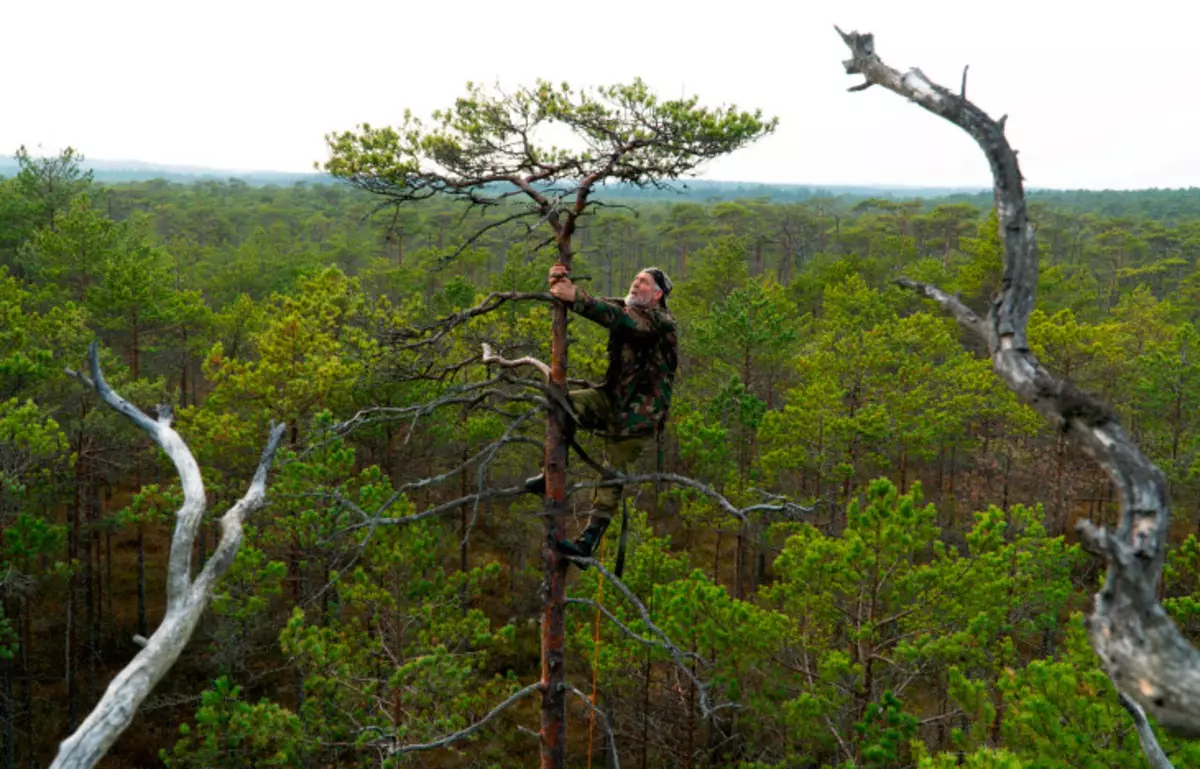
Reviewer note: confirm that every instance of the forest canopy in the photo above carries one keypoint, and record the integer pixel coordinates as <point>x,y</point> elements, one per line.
<point>902,585</point>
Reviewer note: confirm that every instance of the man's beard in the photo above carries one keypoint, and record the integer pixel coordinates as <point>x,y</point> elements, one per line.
<point>635,300</point>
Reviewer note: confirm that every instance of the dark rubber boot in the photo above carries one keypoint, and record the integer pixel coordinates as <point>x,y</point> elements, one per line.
<point>536,485</point>
<point>586,543</point>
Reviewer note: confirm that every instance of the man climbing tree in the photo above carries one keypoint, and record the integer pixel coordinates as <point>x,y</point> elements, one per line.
<point>631,407</point>
<point>488,152</point>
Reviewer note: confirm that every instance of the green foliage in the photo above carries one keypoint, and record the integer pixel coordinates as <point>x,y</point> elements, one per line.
<point>631,134</point>
<point>918,615</point>
<point>230,732</point>
<point>883,731</point>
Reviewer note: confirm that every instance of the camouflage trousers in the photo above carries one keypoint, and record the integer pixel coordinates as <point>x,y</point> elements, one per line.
<point>595,412</point>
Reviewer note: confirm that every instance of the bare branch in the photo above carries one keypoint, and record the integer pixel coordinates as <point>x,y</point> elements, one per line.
<point>480,232</point>
<point>1154,752</point>
<point>489,455</point>
<point>682,480</point>
<point>442,326</point>
<point>629,631</point>
<point>1020,269</point>
<point>469,395</point>
<point>464,733</point>
<point>612,738</point>
<point>492,359</point>
<point>445,507</point>
<point>1139,646</point>
<point>952,304</point>
<point>677,654</point>
<point>186,600</point>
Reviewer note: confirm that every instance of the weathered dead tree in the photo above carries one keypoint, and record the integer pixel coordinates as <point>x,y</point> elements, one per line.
<point>1152,665</point>
<point>187,598</point>
<point>485,152</point>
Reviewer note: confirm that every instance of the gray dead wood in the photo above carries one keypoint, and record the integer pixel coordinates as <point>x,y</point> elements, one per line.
<point>187,598</point>
<point>1139,646</point>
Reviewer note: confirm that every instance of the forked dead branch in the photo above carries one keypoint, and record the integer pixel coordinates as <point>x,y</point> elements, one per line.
<point>187,598</point>
<point>1141,649</point>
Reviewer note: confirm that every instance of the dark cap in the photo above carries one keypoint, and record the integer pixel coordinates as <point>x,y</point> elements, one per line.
<point>663,282</point>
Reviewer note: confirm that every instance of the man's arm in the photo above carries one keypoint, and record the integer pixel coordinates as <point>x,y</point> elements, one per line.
<point>608,313</point>
<point>650,322</point>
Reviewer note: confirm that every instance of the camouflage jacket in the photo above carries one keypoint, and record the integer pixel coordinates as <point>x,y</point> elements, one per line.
<point>643,353</point>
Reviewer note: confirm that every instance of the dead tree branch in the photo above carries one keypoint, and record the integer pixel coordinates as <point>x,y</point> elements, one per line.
<point>492,359</point>
<point>677,655</point>
<point>427,335</point>
<point>186,598</point>
<point>612,738</point>
<point>464,733</point>
<point>630,632</point>
<point>1154,752</point>
<point>691,483</point>
<point>1139,646</point>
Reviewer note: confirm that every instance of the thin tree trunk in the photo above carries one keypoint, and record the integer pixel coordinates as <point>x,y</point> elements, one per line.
<point>554,567</point>
<point>8,706</point>
<point>645,708</point>
<point>183,367</point>
<point>462,547</point>
<point>27,681</point>
<point>91,582</point>
<point>143,631</point>
<point>110,625</point>
<point>739,557</point>
<point>136,345</point>
<point>1060,470</point>
<point>690,757</point>
<point>73,599</point>
<point>716,577</point>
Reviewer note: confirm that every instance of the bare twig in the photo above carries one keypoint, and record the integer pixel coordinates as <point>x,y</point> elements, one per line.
<point>443,326</point>
<point>454,504</point>
<point>186,598</point>
<point>677,655</point>
<point>612,738</point>
<point>492,359</point>
<point>1139,646</point>
<point>464,733</point>
<point>692,483</point>
<point>490,454</point>
<point>629,631</point>
<point>1154,752</point>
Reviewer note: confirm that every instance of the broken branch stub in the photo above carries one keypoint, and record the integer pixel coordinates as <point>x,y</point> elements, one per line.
<point>186,598</point>
<point>1139,646</point>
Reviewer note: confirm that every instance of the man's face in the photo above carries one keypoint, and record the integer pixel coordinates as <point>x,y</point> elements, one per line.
<point>643,292</point>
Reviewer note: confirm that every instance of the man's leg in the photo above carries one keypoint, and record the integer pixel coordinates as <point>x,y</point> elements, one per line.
<point>619,455</point>
<point>592,408</point>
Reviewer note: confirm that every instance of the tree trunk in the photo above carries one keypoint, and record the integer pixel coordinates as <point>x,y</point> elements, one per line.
<point>8,706</point>
<point>739,553</point>
<point>645,708</point>
<point>462,547</point>
<point>690,756</point>
<point>554,567</point>
<point>1060,495</point>
<point>27,681</point>
<point>91,580</point>
<point>111,624</point>
<point>141,580</point>
<point>135,363</point>
<point>73,598</point>
<point>183,372</point>
<point>716,577</point>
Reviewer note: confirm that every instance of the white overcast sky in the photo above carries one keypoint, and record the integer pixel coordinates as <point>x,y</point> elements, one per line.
<point>1096,98</point>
